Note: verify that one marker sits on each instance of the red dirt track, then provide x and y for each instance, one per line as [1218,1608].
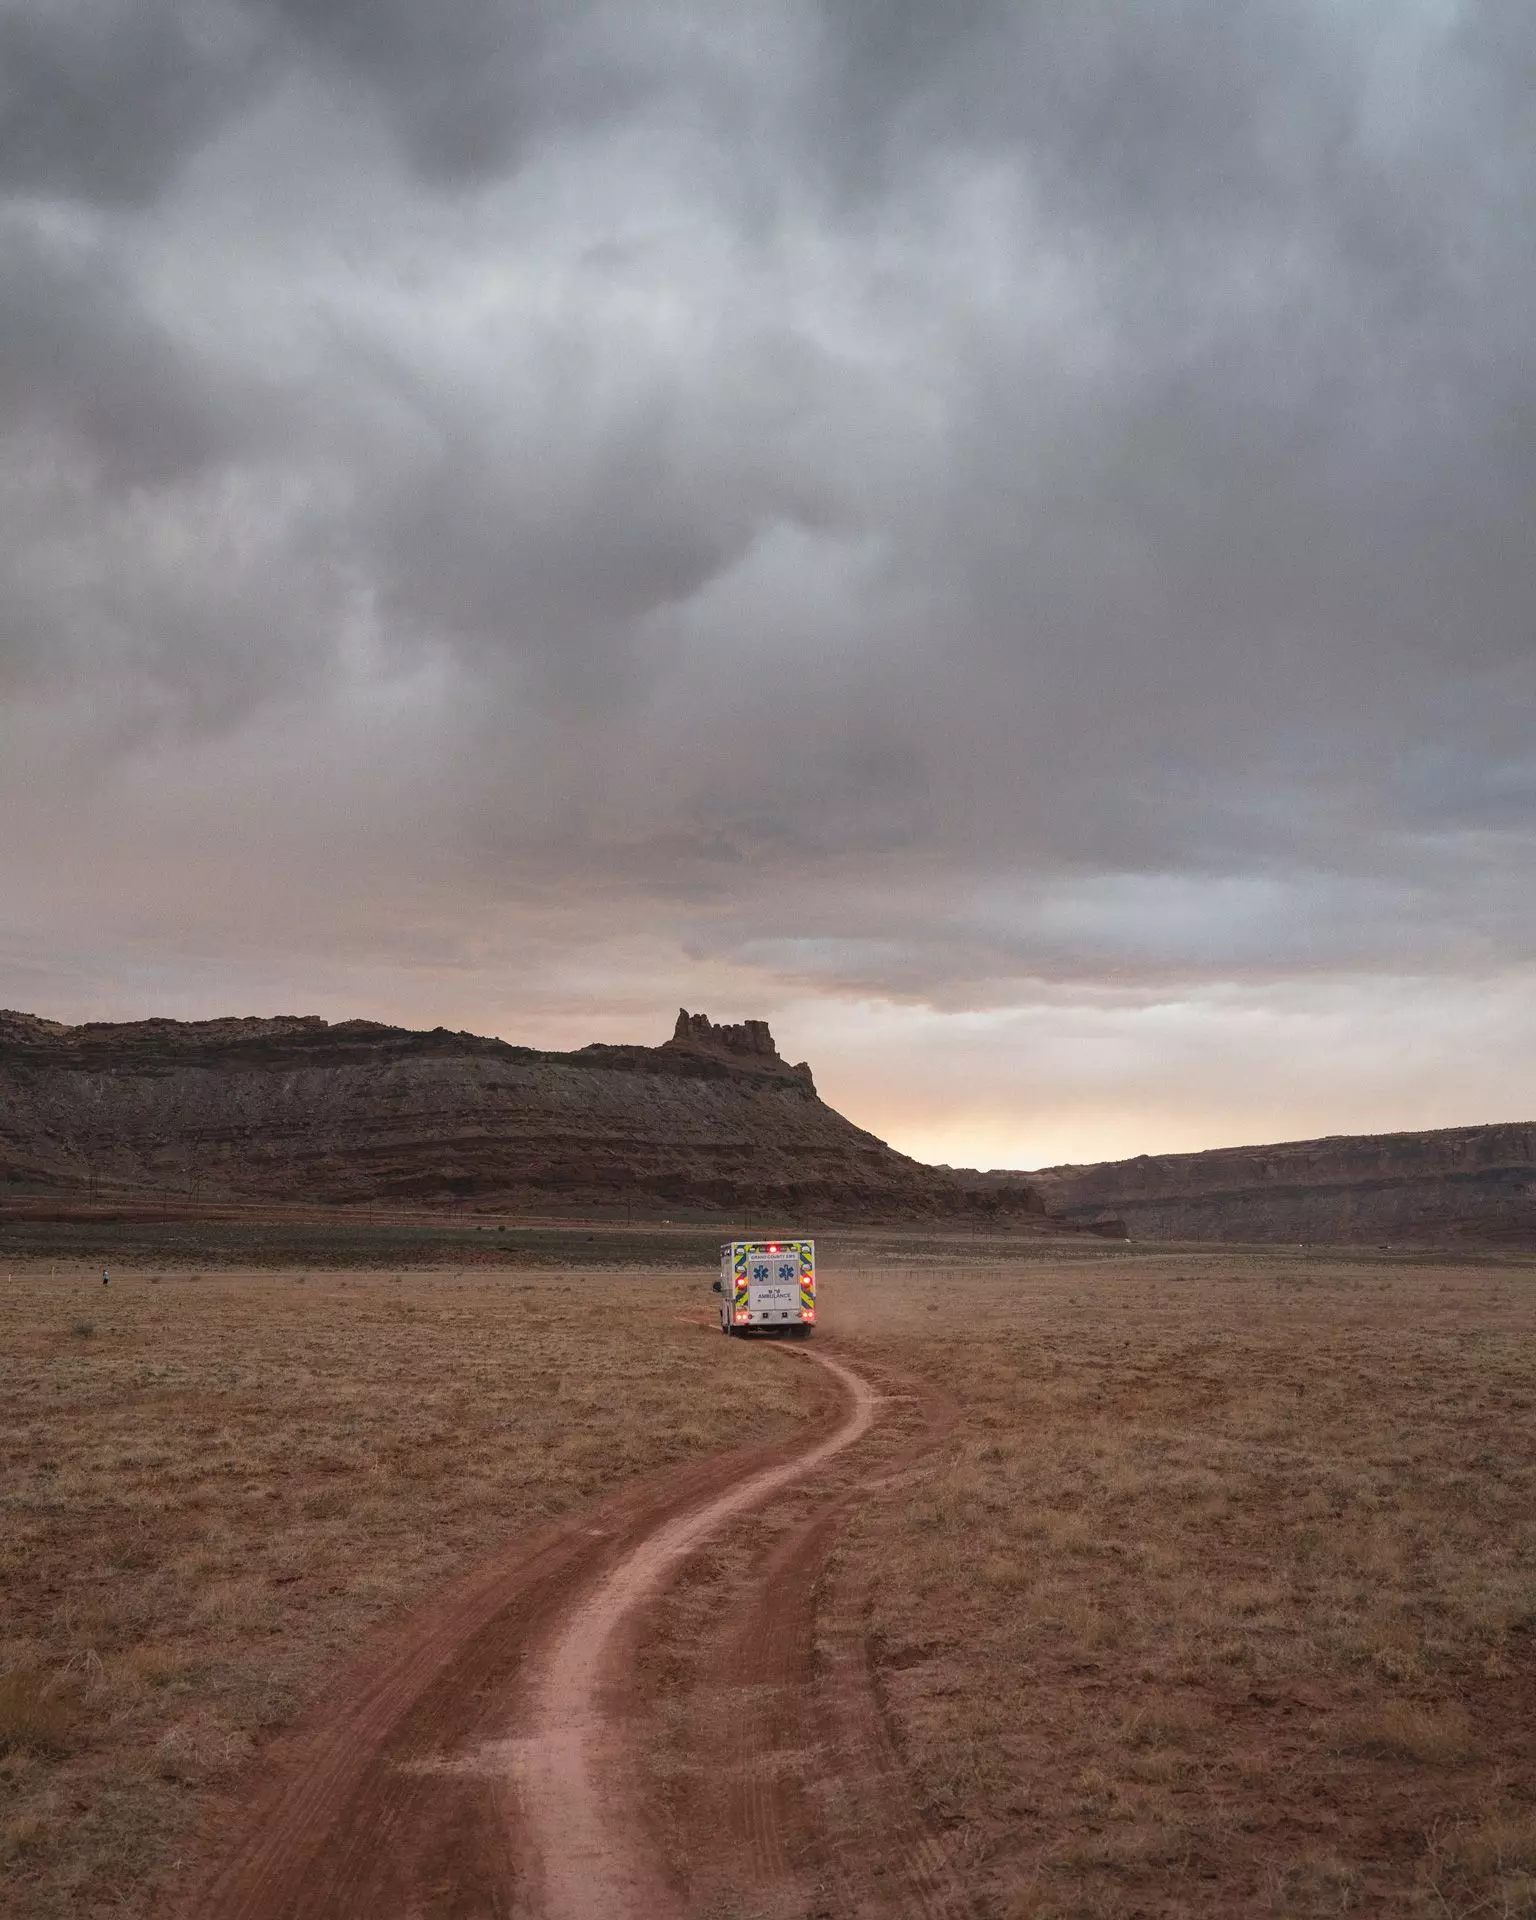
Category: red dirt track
[484,1758]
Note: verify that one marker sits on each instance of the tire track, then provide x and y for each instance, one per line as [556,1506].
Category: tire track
[794,1800]
[570,1769]
[470,1764]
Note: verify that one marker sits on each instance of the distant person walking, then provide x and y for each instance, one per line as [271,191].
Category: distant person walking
[106,1278]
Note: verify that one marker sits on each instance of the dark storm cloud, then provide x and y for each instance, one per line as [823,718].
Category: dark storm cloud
[1165,113]
[105,98]
[1043,489]
[460,79]
[78,353]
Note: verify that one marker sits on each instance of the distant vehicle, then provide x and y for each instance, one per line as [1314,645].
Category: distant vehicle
[767,1283]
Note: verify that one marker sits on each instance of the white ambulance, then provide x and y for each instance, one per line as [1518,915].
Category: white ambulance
[767,1283]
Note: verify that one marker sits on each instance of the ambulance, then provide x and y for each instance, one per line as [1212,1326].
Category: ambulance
[767,1283]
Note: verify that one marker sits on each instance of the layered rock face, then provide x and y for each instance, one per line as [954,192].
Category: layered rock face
[1458,1186]
[296,1110]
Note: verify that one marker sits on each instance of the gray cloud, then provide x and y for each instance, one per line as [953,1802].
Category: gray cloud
[105,98]
[460,79]
[890,502]
[1171,115]
[79,355]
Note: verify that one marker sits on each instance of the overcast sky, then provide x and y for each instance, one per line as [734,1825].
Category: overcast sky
[997,536]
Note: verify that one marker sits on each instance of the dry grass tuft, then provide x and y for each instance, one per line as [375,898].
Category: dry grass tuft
[1503,1842]
[24,1835]
[199,1749]
[37,1712]
[1316,1883]
[1405,1730]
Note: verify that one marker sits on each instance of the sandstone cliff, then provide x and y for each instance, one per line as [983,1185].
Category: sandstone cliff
[294,1109]
[1458,1186]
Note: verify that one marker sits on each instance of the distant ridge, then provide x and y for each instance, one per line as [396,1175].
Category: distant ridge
[357,1114]
[1451,1187]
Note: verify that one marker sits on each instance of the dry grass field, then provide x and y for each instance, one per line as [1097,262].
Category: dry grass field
[1218,1597]
[215,1483]
[1221,1596]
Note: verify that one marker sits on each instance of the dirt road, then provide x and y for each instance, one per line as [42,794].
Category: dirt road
[499,1754]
